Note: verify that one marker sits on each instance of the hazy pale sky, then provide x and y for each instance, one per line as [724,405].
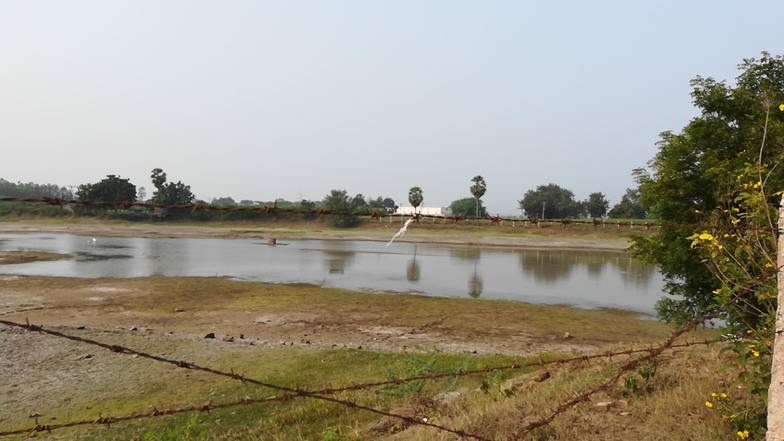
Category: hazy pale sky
[263,100]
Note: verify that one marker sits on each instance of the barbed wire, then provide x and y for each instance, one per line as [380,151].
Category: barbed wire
[330,390]
[292,393]
[101,420]
[274,209]
[655,352]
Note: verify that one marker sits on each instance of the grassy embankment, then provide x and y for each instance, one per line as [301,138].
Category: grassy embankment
[383,229]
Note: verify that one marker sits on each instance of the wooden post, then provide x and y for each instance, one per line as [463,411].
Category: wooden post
[776,389]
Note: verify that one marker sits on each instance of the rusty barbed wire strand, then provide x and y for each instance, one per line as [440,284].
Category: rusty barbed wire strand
[292,393]
[242,402]
[655,352]
[274,209]
[361,386]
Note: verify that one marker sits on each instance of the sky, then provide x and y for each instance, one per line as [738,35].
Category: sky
[289,99]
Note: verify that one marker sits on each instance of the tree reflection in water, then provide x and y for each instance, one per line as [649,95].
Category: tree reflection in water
[412,271]
[475,284]
[550,266]
[632,271]
[547,266]
[471,254]
[338,260]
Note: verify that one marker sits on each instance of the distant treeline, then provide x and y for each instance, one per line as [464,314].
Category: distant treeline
[31,190]
[115,189]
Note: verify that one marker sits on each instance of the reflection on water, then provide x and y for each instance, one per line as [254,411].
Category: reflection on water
[581,278]
[412,270]
[550,266]
[475,286]
[466,253]
[547,266]
[338,257]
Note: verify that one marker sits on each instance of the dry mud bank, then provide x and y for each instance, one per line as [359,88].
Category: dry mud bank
[486,236]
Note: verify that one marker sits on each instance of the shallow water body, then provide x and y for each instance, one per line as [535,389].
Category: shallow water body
[582,278]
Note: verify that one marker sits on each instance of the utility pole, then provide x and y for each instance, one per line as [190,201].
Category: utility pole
[776,388]
[543,204]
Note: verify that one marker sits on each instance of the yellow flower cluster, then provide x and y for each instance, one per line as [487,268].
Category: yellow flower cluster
[709,404]
[706,236]
[781,107]
[743,435]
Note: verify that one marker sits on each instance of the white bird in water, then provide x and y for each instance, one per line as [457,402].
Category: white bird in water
[401,232]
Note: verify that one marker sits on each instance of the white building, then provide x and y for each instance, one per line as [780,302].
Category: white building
[431,211]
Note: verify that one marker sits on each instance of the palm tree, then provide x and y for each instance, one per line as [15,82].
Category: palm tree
[478,190]
[415,197]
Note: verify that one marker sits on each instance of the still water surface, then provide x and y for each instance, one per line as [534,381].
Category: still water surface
[581,278]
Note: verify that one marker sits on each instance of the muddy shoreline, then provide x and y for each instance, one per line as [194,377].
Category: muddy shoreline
[525,239]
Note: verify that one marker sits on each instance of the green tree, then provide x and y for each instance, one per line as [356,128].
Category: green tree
[339,200]
[357,202]
[596,205]
[478,190]
[32,190]
[386,204]
[111,189]
[415,197]
[550,202]
[629,207]
[169,194]
[466,207]
[694,170]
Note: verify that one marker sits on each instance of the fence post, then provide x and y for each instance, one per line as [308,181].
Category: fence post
[776,389]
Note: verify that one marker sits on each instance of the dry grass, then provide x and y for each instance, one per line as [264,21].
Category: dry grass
[112,384]
[673,408]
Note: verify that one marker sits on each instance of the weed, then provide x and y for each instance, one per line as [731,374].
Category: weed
[333,434]
[415,366]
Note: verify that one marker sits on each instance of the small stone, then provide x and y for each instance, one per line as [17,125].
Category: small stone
[179,310]
[242,336]
[283,343]
[217,421]
[88,357]
[625,413]
[134,328]
[541,375]
[604,406]
[509,385]
[228,338]
[80,328]
[568,336]
[359,347]
[210,335]
[135,356]
[35,415]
